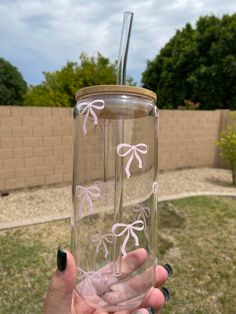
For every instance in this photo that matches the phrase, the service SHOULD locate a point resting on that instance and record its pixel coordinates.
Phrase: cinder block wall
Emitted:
(35, 146)
(36, 143)
(188, 138)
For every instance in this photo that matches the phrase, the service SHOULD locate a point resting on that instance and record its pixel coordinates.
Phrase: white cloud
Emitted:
(41, 35)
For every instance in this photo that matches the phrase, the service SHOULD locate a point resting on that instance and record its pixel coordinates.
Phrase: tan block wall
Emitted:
(188, 138)
(36, 144)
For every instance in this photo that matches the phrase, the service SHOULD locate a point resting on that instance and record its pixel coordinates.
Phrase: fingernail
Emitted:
(169, 270)
(166, 293)
(151, 310)
(61, 259)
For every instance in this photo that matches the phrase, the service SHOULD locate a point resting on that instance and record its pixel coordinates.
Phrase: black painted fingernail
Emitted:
(151, 310)
(147, 249)
(61, 259)
(169, 269)
(166, 293)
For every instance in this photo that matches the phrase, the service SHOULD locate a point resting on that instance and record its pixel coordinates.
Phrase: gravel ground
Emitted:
(194, 181)
(52, 203)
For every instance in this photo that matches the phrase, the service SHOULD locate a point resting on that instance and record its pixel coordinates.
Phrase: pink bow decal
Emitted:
(156, 112)
(143, 213)
(89, 281)
(133, 150)
(86, 195)
(155, 187)
(98, 104)
(101, 240)
(137, 225)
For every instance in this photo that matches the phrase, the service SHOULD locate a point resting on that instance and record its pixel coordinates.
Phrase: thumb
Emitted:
(59, 296)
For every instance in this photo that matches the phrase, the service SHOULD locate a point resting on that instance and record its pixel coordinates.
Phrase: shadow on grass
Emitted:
(168, 218)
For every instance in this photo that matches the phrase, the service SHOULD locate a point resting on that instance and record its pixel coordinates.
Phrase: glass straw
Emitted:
(124, 48)
(120, 80)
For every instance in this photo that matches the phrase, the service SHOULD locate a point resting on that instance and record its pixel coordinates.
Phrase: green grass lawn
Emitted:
(198, 238)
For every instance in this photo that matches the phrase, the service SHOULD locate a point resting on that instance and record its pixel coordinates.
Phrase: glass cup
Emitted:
(114, 221)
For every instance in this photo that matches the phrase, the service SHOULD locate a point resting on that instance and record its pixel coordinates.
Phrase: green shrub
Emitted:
(12, 85)
(227, 145)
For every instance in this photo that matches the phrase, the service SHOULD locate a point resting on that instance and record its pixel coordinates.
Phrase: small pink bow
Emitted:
(156, 112)
(138, 225)
(101, 240)
(98, 104)
(133, 150)
(155, 187)
(85, 194)
(143, 213)
(87, 286)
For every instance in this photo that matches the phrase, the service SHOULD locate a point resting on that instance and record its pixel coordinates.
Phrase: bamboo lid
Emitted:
(115, 89)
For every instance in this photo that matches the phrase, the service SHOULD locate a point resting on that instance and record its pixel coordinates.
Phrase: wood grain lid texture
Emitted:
(115, 89)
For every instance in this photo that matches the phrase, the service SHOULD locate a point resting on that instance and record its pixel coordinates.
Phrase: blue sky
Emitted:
(42, 35)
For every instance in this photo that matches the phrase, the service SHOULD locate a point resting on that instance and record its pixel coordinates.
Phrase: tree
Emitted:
(227, 145)
(12, 85)
(198, 64)
(59, 87)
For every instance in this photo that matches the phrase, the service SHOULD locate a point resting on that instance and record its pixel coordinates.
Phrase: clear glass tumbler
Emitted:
(114, 221)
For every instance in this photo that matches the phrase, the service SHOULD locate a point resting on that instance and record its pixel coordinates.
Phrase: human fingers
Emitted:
(162, 274)
(97, 283)
(127, 264)
(156, 298)
(136, 285)
(59, 295)
(131, 288)
(79, 306)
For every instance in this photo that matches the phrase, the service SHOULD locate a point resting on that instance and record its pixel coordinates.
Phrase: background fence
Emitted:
(36, 143)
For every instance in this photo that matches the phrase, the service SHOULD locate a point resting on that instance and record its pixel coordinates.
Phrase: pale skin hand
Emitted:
(61, 300)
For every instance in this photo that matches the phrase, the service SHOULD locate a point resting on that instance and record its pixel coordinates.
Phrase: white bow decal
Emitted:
(155, 187)
(86, 195)
(101, 240)
(98, 104)
(138, 225)
(143, 212)
(156, 112)
(89, 280)
(133, 150)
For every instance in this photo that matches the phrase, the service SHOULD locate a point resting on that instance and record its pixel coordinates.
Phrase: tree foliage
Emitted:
(59, 87)
(227, 145)
(12, 84)
(198, 64)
